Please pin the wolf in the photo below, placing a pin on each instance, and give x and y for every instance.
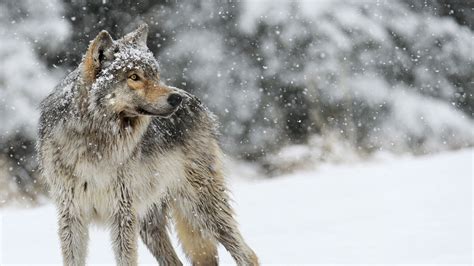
(119, 147)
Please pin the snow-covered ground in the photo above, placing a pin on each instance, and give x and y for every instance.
(405, 210)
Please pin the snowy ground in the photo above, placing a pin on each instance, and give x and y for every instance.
(406, 210)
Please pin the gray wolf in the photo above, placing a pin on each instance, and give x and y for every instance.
(119, 147)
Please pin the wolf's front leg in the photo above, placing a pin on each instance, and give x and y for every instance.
(124, 228)
(73, 233)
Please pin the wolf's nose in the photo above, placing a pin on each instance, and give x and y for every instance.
(174, 99)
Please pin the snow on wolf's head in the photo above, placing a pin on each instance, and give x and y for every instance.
(124, 78)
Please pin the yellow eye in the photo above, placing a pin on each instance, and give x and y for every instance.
(134, 77)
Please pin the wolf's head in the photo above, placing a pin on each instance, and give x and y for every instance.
(124, 78)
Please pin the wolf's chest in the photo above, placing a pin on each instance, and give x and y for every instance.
(147, 181)
(100, 172)
(94, 189)
(99, 166)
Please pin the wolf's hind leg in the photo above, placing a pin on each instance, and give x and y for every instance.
(210, 213)
(223, 225)
(230, 237)
(199, 248)
(155, 236)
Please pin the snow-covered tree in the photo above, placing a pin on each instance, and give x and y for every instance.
(374, 71)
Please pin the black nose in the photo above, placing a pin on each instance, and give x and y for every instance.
(174, 99)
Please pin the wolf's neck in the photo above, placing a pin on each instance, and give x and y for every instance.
(118, 124)
(115, 138)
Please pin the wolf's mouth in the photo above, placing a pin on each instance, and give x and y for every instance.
(142, 111)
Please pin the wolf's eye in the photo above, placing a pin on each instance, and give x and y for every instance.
(134, 77)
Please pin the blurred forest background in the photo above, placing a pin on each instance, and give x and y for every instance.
(292, 82)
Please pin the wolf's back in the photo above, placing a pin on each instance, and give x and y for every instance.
(57, 105)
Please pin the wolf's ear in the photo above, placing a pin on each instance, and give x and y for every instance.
(137, 36)
(97, 54)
